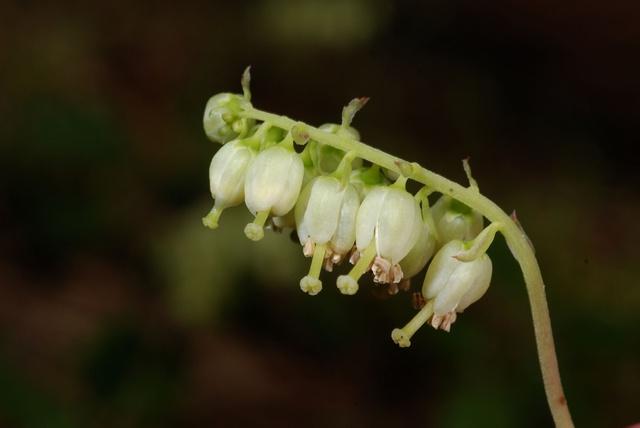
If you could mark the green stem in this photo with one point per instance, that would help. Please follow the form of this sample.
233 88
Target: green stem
516 239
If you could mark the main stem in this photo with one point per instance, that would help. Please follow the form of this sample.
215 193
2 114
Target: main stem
515 237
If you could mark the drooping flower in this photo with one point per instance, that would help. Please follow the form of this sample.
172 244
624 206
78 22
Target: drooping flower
325 219
272 184
226 178
387 227
454 284
459 275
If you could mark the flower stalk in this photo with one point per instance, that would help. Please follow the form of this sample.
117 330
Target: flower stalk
516 240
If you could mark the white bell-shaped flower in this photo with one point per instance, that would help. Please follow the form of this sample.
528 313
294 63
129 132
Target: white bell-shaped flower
326 222
458 276
388 225
454 284
226 178
272 184
454 220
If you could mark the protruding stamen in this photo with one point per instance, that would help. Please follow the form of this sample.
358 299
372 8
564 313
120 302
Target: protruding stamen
402 336
308 248
311 283
384 272
354 256
480 244
211 219
445 321
255 229
331 259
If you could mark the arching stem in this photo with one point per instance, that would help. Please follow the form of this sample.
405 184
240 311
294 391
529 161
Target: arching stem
516 240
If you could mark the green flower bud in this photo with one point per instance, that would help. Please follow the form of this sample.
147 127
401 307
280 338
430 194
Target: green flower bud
226 178
343 131
326 158
455 221
455 284
221 121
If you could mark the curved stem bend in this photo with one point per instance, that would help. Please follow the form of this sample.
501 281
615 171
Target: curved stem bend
515 237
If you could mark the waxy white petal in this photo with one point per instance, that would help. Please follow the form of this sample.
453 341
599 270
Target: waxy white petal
455 284
273 181
392 217
420 253
345 234
367 218
227 173
318 209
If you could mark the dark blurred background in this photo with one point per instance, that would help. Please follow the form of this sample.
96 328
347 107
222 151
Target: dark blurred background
119 309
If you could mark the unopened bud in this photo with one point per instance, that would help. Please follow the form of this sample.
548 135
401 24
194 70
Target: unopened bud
221 121
454 220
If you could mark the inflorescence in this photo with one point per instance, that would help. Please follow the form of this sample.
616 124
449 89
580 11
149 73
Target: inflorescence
346 200
345 209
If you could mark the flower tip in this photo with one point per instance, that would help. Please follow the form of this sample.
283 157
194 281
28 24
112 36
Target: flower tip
400 338
310 285
253 231
211 224
211 219
347 285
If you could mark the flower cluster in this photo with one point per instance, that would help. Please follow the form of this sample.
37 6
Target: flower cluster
343 209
